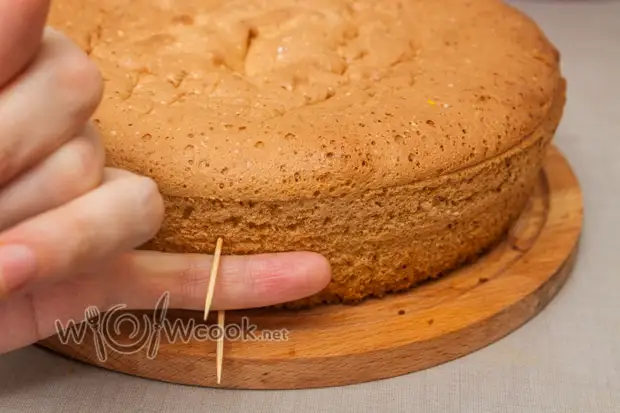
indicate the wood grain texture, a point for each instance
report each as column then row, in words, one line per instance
column 381, row 338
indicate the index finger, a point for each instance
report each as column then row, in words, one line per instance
column 138, row 279
column 21, row 30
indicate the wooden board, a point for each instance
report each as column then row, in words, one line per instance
column 339, row 345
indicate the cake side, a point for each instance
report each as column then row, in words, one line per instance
column 398, row 139
column 281, row 100
column 384, row 241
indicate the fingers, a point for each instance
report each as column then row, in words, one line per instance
column 121, row 214
column 74, row 169
column 21, row 28
column 50, row 104
column 138, row 280
column 242, row 281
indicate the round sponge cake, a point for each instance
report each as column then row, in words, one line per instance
column 399, row 138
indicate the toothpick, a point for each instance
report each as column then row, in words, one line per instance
column 214, row 267
column 220, row 346
column 220, row 315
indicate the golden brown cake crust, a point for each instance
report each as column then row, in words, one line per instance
column 398, row 138
column 281, row 99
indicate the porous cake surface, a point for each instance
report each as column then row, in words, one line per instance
column 284, row 99
column 400, row 138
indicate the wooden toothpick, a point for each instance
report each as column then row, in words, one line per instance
column 220, row 315
column 214, row 267
column 220, row 346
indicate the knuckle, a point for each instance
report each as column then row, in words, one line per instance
column 80, row 77
column 264, row 271
column 151, row 204
column 191, row 279
column 8, row 165
column 81, row 164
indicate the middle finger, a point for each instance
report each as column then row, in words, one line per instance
column 47, row 105
column 121, row 214
column 74, row 169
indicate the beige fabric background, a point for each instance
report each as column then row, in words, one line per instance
column 565, row 360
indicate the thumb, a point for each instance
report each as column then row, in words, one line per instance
column 21, row 30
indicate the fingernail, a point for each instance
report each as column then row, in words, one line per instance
column 17, row 266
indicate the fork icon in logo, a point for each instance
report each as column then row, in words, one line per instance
column 93, row 318
column 159, row 317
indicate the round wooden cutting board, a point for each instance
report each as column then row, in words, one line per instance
column 380, row 338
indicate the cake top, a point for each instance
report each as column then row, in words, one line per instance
column 281, row 99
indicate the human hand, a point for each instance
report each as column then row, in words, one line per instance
column 68, row 224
